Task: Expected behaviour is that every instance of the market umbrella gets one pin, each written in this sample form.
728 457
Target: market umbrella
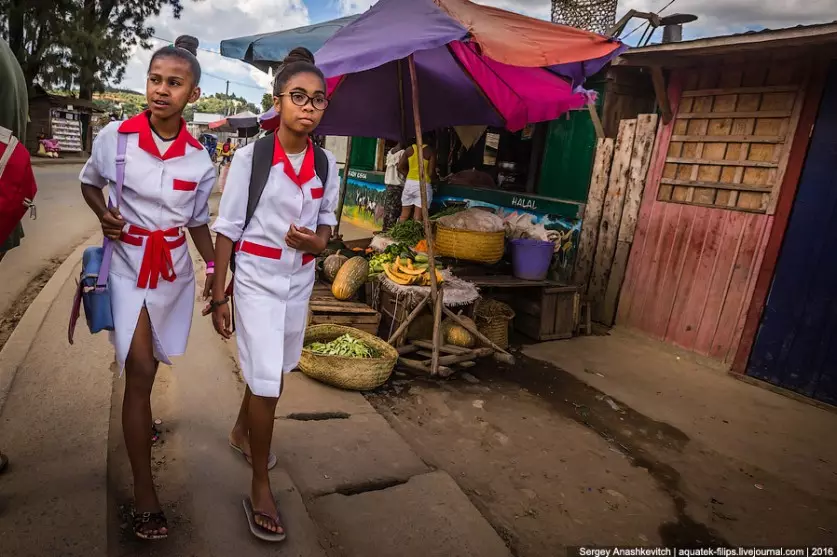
245 124
269 49
475 65
467 65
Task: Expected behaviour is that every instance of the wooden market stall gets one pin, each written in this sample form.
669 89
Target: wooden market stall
62 118
723 175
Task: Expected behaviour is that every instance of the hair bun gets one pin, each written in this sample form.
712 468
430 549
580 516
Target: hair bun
187 43
299 54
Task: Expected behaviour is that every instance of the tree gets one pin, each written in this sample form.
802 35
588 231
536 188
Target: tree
33 29
267 102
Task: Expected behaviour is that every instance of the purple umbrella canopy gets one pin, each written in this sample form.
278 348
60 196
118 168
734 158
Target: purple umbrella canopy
458 82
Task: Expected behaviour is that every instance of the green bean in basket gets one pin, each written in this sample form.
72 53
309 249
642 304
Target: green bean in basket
346 345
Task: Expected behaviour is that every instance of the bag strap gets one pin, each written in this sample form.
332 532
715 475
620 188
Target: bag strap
7 154
321 164
121 148
262 163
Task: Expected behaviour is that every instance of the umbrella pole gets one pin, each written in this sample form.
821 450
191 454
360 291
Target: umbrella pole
435 292
343 182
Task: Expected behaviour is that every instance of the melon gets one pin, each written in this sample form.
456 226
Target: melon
332 265
351 276
457 335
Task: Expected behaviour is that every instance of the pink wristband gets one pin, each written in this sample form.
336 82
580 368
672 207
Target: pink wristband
210 264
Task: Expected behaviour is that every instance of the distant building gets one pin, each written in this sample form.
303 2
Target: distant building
200 122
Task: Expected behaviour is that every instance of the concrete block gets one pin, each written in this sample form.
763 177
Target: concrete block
429 516
304 395
326 456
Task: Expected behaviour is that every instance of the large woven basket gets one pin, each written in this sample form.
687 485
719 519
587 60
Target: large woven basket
468 245
357 374
493 318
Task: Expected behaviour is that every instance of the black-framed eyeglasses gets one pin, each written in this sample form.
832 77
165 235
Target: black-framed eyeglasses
301 99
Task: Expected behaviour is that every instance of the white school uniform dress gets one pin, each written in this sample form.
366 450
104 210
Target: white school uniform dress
151 266
273 282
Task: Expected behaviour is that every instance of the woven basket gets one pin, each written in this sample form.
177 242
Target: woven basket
468 245
357 374
493 318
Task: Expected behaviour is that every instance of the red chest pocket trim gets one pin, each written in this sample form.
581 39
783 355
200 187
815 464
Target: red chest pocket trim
184 185
317 193
307 258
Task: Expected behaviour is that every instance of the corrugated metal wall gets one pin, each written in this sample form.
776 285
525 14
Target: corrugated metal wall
693 267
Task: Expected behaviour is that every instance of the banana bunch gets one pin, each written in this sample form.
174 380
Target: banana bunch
406 272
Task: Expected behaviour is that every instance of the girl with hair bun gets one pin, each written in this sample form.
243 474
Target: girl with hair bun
274 274
167 181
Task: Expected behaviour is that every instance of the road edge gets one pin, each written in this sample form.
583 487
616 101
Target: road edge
20 342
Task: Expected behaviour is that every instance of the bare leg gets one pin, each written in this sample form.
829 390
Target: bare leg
261 415
240 434
140 371
405 213
417 216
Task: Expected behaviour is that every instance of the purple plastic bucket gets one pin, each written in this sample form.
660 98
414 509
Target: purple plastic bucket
531 258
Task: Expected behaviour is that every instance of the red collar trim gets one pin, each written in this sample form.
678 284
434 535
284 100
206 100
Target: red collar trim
139 124
306 172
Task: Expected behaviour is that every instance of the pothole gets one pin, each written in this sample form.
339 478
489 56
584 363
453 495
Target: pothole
317 416
370 486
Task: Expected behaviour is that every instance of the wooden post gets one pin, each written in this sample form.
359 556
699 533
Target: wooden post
646 129
611 217
428 231
593 213
661 92
343 183
597 122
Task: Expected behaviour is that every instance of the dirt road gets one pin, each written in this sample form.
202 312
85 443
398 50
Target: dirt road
552 462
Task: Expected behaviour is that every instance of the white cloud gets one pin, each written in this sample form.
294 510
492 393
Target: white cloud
348 7
736 16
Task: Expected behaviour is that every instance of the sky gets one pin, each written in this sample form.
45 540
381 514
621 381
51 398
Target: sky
211 22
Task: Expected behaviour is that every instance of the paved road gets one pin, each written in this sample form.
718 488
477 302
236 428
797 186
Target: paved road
64 221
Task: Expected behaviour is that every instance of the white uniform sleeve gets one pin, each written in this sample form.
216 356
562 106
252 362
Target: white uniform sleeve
91 173
233 209
200 216
328 207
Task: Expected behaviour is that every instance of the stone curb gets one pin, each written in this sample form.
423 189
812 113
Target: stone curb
16 349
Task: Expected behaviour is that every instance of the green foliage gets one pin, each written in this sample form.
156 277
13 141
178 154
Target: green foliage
267 102
78 44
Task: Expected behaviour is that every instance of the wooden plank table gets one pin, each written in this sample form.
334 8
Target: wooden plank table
325 308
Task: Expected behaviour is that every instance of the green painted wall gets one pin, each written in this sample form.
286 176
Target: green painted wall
568 155
364 150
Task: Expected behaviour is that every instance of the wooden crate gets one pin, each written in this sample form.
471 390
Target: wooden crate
325 308
544 310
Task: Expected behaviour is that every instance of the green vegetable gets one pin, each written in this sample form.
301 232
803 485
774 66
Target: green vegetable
346 345
408 232
452 210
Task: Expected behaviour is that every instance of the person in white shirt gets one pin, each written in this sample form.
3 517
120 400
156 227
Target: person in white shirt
275 268
394 181
168 180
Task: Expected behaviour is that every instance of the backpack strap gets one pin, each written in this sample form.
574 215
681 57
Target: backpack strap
321 163
262 161
121 148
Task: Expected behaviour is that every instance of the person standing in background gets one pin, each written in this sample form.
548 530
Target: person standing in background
409 166
14 114
394 182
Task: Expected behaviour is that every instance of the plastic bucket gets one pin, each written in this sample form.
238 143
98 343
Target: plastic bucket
531 258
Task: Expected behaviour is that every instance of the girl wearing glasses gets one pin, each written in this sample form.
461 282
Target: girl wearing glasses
274 273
